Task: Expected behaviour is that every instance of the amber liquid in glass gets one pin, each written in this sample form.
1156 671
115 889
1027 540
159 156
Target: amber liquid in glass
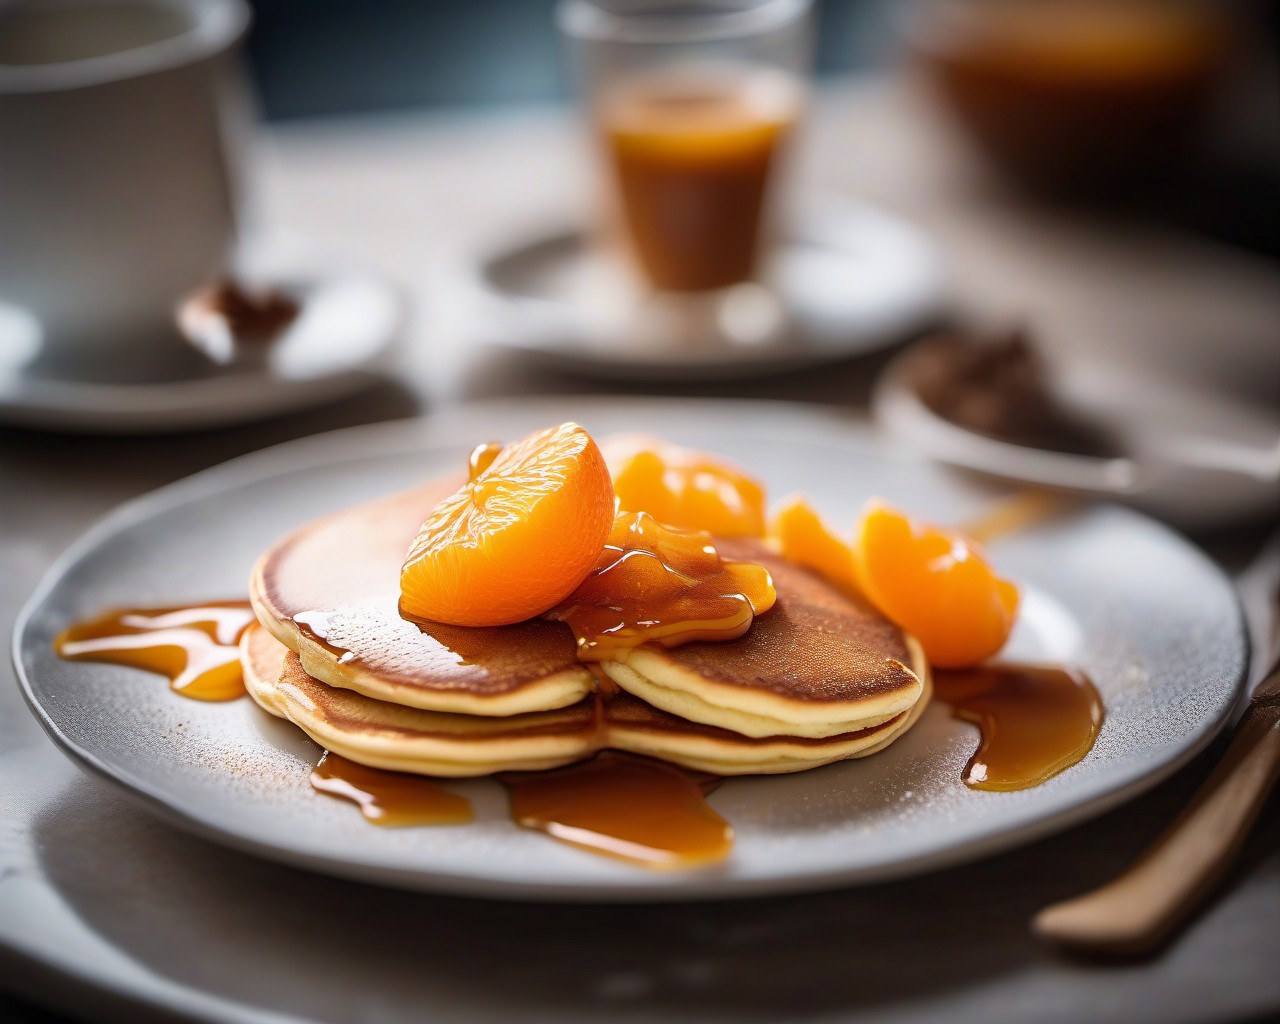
692 157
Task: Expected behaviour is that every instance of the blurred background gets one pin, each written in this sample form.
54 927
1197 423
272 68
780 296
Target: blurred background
317 57
1037 239
314 58
372 209
1075 203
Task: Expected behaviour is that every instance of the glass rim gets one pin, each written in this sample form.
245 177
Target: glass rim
589 20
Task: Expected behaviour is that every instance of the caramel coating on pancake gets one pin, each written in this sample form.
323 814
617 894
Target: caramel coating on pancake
815 644
337 580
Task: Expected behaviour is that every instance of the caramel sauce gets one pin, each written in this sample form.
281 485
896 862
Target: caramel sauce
196 647
692 156
630 808
653 584
315 626
389 798
602 683
1019 512
1035 721
1077 93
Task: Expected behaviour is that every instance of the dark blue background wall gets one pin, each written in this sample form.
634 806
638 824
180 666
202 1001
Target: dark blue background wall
329 56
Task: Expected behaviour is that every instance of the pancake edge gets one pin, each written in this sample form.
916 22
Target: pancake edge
461 758
465 756
713 703
559 690
707 753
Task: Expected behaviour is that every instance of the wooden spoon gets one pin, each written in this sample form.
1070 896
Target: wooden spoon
1143 908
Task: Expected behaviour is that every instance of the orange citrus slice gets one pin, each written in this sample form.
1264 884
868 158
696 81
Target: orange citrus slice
515 540
935 584
685 489
799 535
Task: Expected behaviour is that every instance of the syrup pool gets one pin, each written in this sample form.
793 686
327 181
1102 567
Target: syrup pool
626 807
196 647
1035 721
390 798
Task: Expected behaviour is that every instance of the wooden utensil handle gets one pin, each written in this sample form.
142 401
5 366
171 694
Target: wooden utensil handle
1140 909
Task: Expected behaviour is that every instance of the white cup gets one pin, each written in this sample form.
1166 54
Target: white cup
117 175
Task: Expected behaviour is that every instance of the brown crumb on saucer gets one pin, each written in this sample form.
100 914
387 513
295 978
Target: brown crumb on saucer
999 387
222 317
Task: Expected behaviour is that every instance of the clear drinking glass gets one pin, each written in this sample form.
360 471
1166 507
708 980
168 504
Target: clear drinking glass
691 105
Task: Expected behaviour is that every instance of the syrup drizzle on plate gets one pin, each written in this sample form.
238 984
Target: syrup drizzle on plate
196 647
389 798
630 808
1035 722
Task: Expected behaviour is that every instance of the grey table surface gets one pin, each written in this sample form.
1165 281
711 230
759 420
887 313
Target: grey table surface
98 899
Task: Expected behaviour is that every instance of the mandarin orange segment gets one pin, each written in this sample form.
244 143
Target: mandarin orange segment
517 538
653 584
686 489
935 584
799 535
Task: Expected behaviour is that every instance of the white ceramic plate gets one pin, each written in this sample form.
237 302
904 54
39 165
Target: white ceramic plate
848 279
350 317
1153 621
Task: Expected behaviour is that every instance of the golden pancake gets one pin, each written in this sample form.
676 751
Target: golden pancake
385 735
330 591
638 728
818 664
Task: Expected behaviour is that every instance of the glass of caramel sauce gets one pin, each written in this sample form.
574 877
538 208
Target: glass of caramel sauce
691 106
1074 93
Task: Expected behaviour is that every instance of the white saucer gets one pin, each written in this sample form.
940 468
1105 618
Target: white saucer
1195 458
848 280
350 316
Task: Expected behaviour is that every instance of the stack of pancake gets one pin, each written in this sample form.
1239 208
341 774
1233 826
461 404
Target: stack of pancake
817 679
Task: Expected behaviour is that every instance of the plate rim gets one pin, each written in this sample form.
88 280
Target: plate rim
432 431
